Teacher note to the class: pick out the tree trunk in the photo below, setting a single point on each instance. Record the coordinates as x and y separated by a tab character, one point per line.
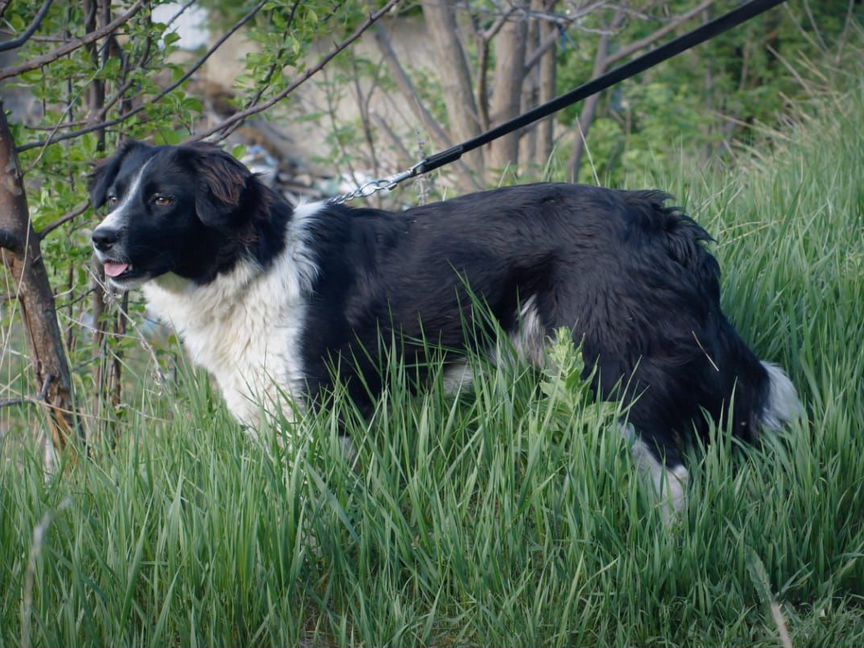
94	19
440	19
548	79
530	95
589	108
465	179
22	255
507	89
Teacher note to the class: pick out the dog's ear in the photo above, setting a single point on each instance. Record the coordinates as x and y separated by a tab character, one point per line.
222	182
104	172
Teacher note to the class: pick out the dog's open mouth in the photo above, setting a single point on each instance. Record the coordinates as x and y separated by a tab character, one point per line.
117	270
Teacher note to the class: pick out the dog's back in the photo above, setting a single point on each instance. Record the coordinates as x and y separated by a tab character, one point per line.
629	276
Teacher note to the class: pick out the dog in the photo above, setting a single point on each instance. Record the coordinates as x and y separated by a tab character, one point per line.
269	297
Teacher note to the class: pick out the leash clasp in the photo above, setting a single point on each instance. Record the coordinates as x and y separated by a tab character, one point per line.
374	186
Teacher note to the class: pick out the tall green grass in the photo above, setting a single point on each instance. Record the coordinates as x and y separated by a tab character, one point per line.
510	514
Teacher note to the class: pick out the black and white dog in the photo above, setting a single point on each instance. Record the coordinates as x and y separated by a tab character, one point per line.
268	297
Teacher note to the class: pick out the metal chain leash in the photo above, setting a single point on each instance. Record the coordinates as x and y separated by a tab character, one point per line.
374	186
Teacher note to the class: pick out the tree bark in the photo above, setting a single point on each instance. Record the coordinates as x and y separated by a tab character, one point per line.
530	95
456	84
22	255
94	18
547	90
510	49
589	108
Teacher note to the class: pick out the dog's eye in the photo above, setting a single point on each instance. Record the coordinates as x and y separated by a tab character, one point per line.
113	199
161	200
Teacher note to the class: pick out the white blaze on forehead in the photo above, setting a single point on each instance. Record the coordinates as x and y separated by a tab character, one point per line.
115	219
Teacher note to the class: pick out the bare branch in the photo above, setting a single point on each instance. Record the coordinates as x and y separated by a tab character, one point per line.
406	87
395	140
490	33
562	23
75	213
12	402
649	40
409	92
254	110
201	61
179	13
545	45
269	76
265	84
99	120
586	117
29	400
23	38
71	46
131	113
456	83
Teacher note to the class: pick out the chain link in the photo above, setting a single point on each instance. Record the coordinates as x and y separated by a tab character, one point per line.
374	186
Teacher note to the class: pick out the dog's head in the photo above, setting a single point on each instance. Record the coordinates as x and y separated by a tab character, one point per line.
187	210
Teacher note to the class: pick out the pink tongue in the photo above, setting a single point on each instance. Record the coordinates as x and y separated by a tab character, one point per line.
115	269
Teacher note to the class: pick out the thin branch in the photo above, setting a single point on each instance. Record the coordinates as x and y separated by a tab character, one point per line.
841	42
562	23
201	61
50	57
29	400
37	39
254	110
409	92
99	119
126	116
127	78
67	111
12	402
384	126
265	84
406	87
657	35
269	76
545	45
488	34
815	26
23	38
179	13
75	213
364	101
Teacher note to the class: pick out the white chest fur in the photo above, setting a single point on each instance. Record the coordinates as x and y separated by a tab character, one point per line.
245	326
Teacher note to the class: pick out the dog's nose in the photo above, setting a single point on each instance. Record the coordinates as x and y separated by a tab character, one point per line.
105	237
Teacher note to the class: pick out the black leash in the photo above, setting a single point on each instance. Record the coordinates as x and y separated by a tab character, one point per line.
698	36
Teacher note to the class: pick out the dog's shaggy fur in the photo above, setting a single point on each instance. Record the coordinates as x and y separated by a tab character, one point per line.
270	298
